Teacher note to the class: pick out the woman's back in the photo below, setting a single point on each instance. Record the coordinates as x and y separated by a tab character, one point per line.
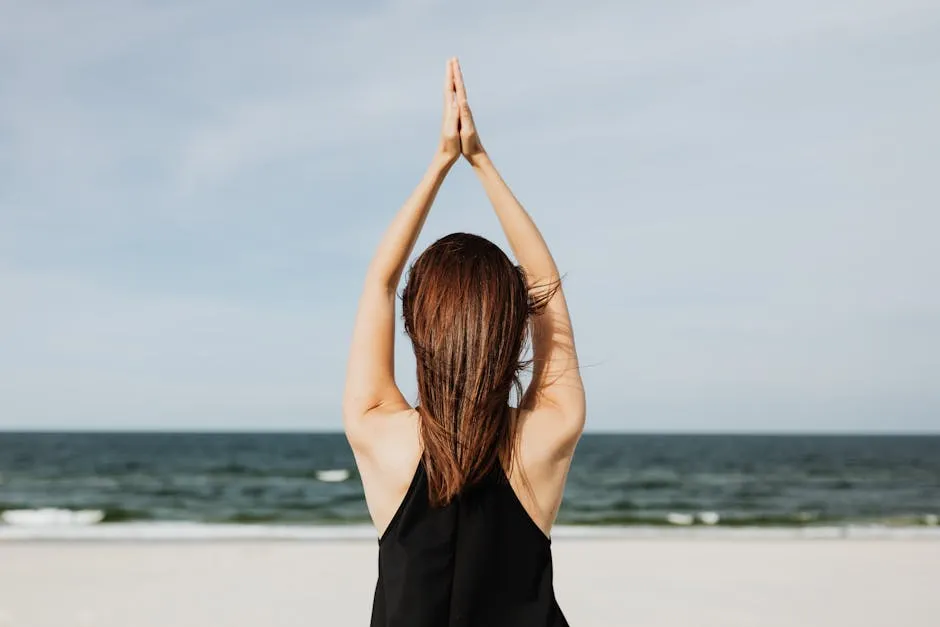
479	560
464	489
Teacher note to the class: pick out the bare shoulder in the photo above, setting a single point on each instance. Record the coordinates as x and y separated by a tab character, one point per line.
386	446
368	432
547	441
549	434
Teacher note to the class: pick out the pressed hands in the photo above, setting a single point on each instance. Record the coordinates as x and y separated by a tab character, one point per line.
459	133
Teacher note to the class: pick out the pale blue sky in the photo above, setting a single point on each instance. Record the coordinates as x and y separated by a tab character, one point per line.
744	197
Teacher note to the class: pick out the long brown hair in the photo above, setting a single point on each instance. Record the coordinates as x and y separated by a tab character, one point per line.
466	308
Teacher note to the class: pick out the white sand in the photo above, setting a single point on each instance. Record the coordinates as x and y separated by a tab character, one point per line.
664	582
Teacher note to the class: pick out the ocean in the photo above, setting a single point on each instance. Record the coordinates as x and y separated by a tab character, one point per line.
304	485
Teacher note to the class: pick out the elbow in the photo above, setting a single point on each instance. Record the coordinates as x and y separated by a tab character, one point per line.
385	283
573	406
353	426
354	408
382	278
575	421
570	427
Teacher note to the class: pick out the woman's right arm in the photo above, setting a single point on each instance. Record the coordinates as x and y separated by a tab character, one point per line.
556	386
370	372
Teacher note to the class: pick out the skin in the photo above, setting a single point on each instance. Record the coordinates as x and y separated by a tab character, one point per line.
381	426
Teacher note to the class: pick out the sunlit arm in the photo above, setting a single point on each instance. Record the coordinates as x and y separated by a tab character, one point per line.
370	374
556	389
556	378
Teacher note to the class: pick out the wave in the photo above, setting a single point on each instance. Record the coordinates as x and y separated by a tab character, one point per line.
674	518
329	514
67	517
739	519
243	470
176	531
51	517
320	516
705	518
709	518
333	476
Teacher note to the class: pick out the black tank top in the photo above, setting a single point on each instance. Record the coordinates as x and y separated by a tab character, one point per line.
479	561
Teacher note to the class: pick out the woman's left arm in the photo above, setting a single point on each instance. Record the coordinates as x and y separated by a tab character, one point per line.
370	373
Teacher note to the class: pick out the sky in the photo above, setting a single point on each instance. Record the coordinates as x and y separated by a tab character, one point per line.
742	196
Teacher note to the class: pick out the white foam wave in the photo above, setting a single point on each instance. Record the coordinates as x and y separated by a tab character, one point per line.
51	517
333	476
147	531
709	518
679	519
181	531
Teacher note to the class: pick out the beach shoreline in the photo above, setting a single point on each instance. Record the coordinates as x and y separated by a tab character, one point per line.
599	582
202	532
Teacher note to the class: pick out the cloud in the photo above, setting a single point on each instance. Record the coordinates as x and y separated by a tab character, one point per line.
741	195
89	354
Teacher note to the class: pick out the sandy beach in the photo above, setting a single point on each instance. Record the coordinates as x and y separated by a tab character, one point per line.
599	583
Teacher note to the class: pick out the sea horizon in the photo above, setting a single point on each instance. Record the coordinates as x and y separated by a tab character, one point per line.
304	485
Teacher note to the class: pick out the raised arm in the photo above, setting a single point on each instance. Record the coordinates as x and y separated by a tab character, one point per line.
556	386
370	375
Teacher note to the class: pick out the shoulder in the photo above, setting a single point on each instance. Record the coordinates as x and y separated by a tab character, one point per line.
549	432
386	445
385	438
370	430
547	441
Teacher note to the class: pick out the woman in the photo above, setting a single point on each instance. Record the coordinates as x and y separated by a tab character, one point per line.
464	488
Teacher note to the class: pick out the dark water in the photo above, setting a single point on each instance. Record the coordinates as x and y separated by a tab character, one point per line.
615	479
